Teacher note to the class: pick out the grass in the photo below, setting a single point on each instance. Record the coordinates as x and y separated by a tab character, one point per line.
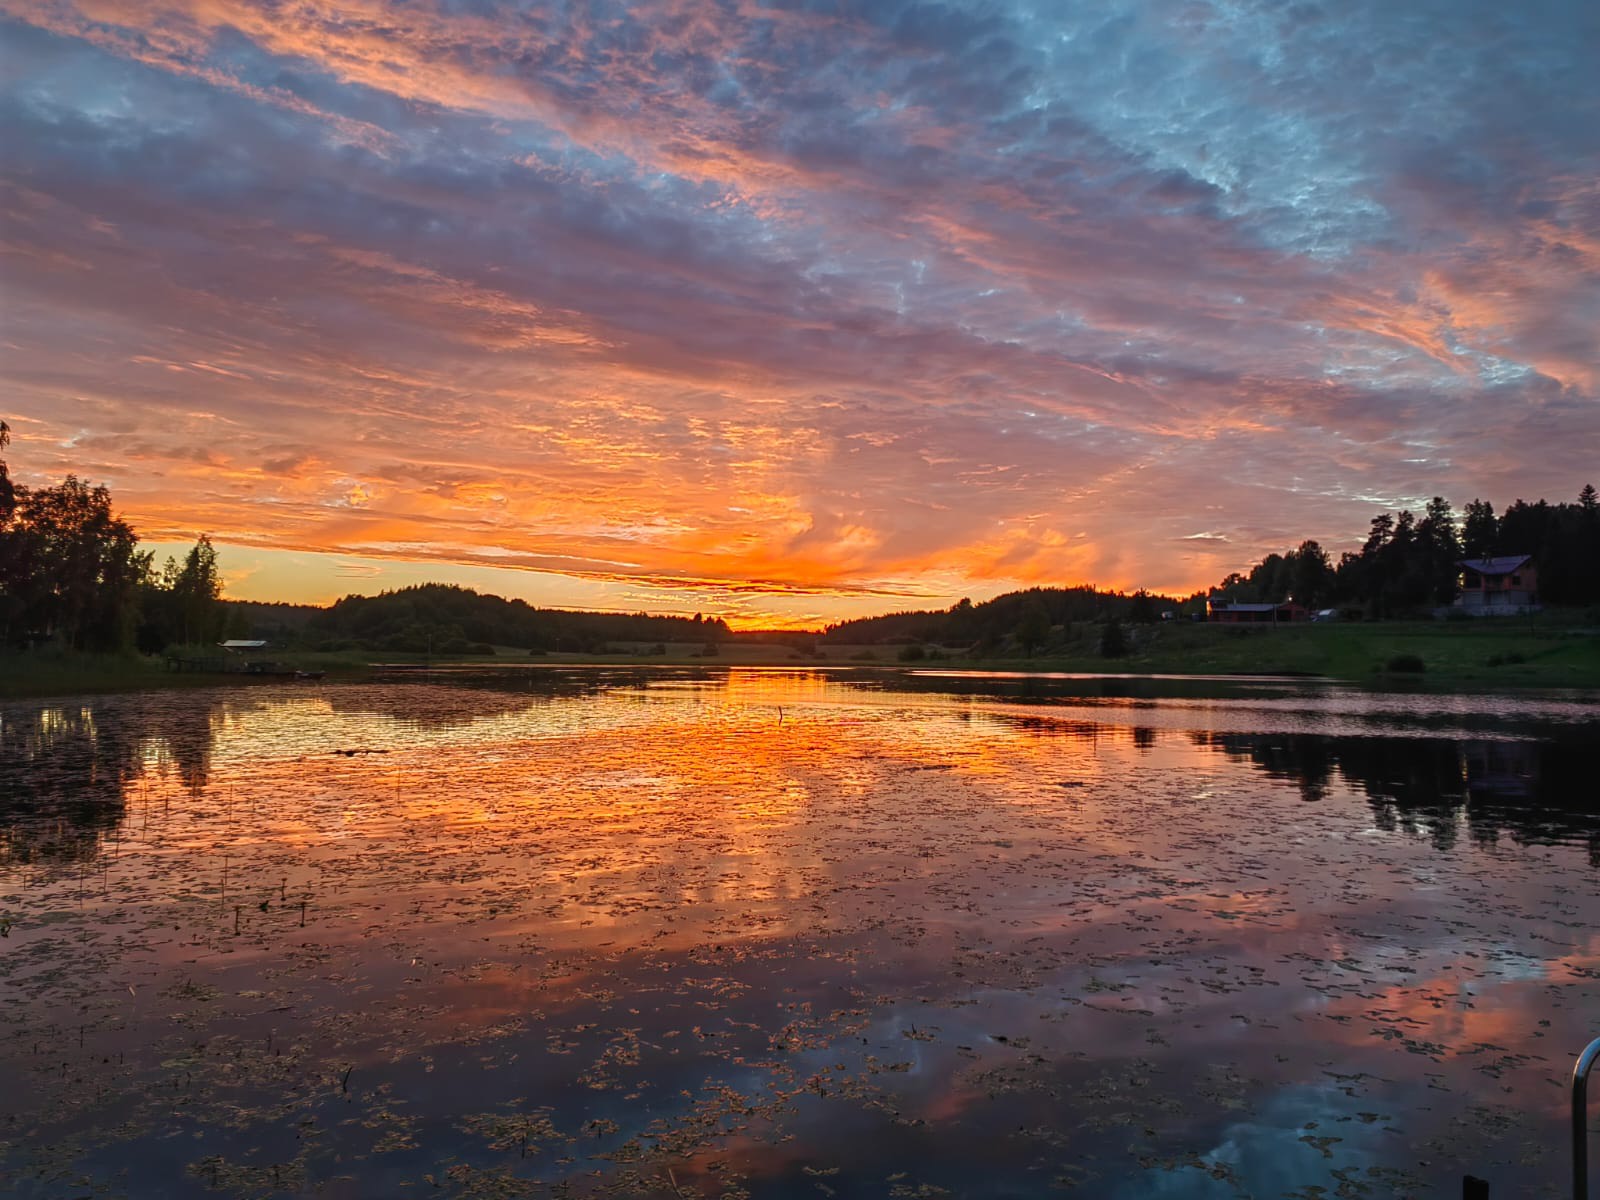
53	672
1550	650
1468	656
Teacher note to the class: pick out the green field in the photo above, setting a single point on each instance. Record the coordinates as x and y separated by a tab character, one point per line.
1465	655
1546	651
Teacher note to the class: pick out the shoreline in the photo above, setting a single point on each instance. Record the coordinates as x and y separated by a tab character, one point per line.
1471	660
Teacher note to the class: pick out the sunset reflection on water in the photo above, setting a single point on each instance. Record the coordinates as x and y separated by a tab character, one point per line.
745	932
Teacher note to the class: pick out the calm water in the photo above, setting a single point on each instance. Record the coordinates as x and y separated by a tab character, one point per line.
793	934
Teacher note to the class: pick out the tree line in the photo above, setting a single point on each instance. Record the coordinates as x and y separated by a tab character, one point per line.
1029	620
446	619
72	574
1409	565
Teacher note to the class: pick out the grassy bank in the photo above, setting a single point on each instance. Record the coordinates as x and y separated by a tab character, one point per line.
55	672
1469	656
1547	651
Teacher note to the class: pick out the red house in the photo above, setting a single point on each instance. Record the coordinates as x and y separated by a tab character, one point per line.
1254	614
1500	586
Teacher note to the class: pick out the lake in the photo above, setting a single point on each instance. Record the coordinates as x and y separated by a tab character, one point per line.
794	933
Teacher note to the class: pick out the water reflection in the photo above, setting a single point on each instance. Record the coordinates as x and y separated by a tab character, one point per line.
709	933
61	780
66	770
1535	791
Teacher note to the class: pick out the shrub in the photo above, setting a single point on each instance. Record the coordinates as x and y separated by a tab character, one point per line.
1406	663
1113	641
912	654
480	648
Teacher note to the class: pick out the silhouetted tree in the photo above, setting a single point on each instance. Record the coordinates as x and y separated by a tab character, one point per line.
1034	626
1479	530
8	493
1440	550
1310	575
1113	640
198	592
11	603
71	569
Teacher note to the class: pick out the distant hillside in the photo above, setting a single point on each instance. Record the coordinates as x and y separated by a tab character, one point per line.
452	620
1029	614
272	621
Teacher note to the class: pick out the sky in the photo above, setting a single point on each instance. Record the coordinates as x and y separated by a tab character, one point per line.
791	312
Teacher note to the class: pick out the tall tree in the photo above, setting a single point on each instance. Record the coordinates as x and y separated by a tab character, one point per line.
197	594
72	568
11	600
1310	575
1378	535
1480	530
8	493
1440	550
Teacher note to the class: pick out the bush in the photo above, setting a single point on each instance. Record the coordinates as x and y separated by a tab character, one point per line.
1113	641
480	648
1406	663
912	654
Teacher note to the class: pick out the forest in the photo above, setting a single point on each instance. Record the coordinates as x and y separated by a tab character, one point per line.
72	575
445	619
1407	567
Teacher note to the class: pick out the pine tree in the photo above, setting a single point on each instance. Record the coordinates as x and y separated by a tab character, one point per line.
1480	530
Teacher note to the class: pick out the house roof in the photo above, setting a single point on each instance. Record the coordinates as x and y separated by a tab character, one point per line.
1247	607
1503	565
241	644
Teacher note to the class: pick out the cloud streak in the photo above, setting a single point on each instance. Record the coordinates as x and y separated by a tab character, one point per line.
822	303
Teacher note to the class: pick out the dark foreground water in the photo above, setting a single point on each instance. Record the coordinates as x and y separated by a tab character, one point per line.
788	934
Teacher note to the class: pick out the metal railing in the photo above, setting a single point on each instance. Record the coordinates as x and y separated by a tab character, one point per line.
1580	1119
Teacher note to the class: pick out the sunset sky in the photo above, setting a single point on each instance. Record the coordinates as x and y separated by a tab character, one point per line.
795	311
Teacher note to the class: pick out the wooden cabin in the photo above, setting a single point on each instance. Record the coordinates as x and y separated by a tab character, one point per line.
1254	614
1505	585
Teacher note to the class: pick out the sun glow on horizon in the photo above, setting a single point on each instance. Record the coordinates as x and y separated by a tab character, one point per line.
789	317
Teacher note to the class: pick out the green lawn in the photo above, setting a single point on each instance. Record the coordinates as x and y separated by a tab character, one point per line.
1470	655
1547	651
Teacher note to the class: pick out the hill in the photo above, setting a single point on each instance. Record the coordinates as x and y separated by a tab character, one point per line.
446	619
